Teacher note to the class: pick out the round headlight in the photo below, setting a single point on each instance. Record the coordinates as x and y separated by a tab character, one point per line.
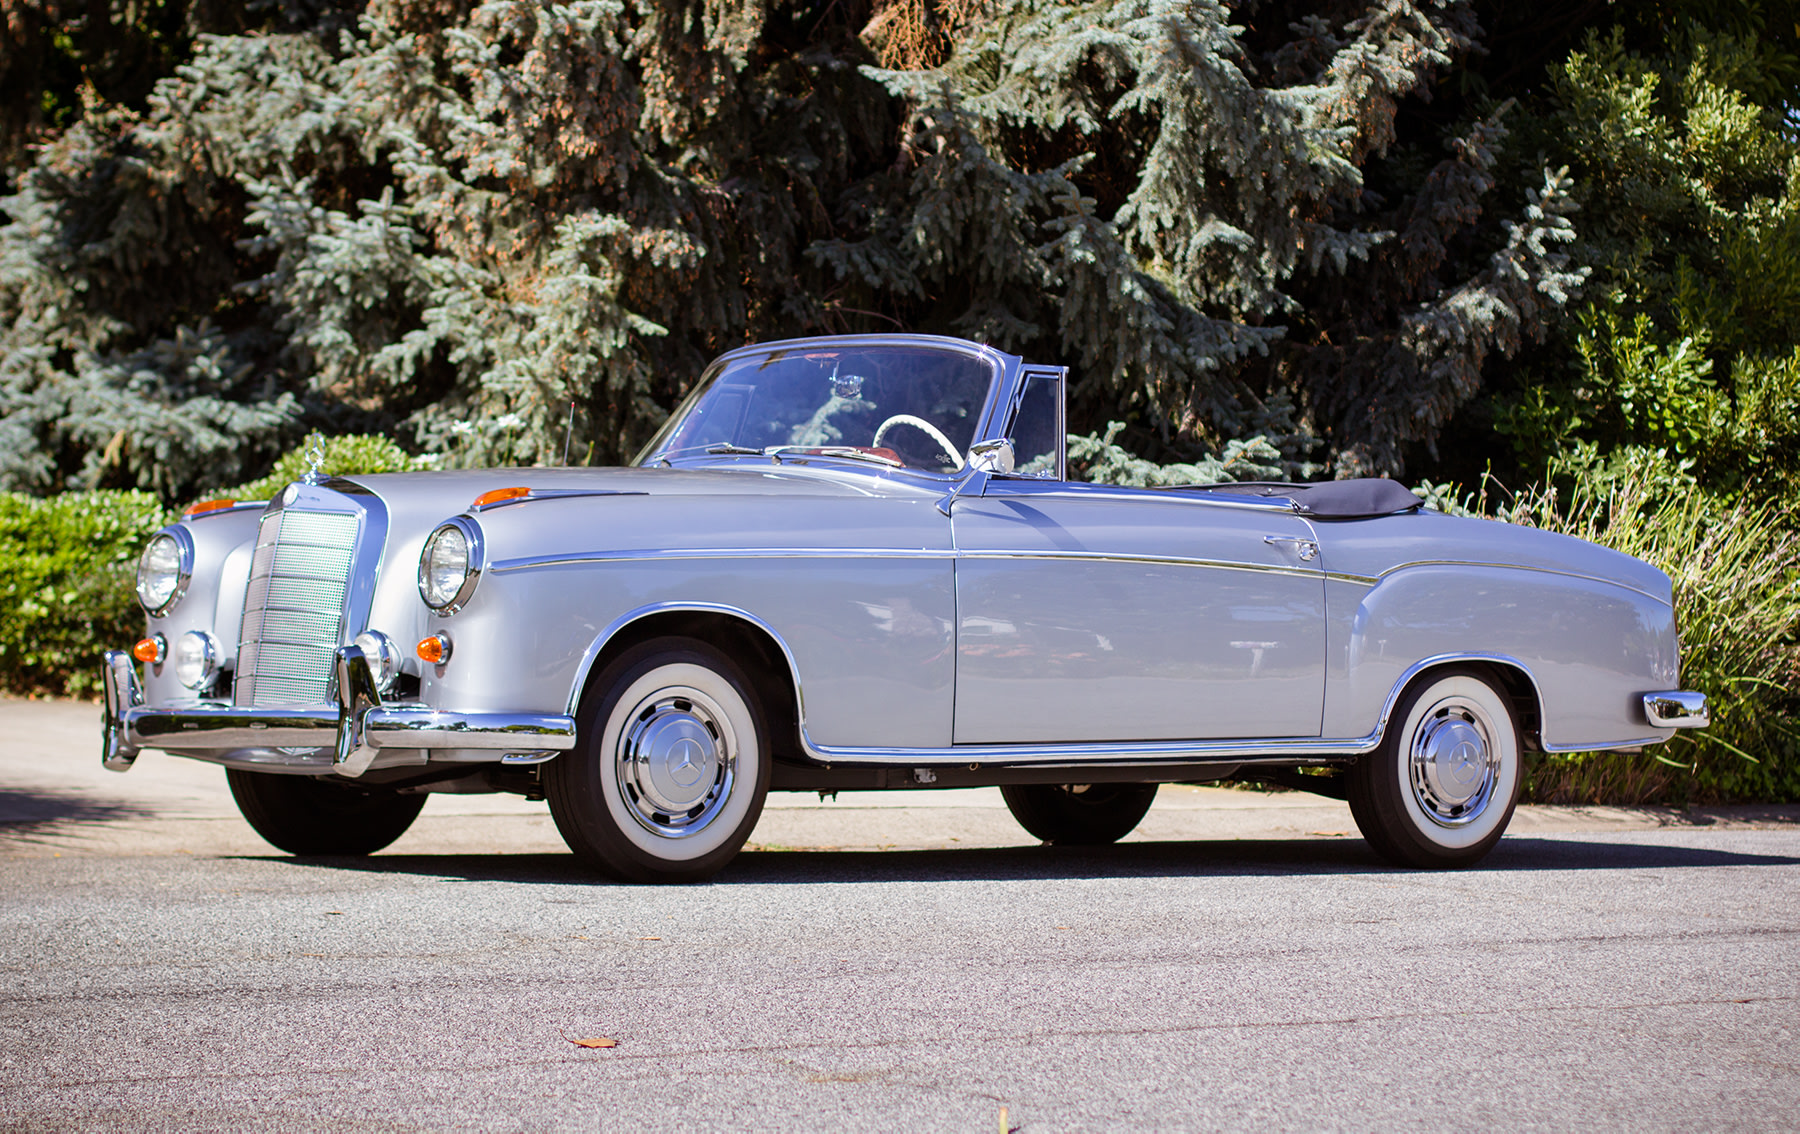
196	659
449	566
383	657
163	570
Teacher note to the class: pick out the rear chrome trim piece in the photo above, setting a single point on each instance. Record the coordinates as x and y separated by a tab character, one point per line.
1677	710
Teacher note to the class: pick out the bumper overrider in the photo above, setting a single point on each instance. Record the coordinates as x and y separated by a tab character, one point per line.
354	733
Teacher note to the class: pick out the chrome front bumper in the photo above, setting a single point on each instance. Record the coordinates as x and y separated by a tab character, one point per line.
1677	710
354	732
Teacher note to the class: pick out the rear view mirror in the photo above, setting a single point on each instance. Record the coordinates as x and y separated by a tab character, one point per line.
992	456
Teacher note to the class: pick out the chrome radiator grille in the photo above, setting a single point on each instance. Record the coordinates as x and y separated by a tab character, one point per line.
294	609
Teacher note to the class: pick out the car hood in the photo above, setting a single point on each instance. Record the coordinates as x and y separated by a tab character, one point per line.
443	494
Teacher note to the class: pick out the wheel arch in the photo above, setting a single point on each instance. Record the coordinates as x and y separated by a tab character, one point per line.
1512	678
746	639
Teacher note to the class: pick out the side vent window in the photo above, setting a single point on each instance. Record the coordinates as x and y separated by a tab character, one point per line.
1037	431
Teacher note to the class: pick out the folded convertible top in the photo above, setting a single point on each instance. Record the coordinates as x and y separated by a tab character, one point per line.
1329	499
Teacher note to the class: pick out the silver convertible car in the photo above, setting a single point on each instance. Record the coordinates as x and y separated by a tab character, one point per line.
858	563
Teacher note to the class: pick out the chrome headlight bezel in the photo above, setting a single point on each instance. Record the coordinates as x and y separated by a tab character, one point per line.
161	586
440	551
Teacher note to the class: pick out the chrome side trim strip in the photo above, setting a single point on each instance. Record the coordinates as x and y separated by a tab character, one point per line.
1301	750
1150	560
1677	710
656	554
639	555
650	554
1396	569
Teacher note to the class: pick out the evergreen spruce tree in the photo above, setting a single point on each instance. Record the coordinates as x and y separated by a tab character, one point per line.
1132	184
449	220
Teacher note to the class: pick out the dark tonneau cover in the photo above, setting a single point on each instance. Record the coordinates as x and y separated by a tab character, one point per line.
1330	499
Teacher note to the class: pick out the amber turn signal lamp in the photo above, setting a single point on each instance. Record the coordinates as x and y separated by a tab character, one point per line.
435	649
205	506
499	496
150	650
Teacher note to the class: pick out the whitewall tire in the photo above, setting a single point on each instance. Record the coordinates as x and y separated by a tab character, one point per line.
671	769
1440	790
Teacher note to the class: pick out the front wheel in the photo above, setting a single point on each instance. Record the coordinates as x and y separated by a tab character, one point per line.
1441	789
1083	815
669	775
306	815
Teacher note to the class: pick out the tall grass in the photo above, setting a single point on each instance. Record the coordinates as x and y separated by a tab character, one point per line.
1736	570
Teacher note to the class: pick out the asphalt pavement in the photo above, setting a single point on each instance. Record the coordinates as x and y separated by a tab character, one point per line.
885	961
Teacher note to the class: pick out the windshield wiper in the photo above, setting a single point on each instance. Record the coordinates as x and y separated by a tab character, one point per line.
850	452
775	452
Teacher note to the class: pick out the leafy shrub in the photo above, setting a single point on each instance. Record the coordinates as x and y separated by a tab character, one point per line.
1736	570
68	565
354	453
67	568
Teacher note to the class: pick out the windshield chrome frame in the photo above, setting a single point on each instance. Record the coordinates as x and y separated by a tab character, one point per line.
1001	392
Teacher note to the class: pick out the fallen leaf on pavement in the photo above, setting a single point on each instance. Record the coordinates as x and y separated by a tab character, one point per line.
649	939
595	1041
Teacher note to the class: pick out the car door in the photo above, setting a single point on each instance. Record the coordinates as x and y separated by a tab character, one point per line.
1093	613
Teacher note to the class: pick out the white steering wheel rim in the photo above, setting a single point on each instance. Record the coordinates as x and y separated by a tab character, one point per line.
924	427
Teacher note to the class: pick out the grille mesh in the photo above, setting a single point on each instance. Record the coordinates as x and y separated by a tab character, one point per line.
294	608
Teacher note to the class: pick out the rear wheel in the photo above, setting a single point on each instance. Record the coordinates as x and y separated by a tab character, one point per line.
306	815
669	775
1079	814
1441	789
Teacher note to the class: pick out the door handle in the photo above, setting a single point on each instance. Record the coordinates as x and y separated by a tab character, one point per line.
1307	549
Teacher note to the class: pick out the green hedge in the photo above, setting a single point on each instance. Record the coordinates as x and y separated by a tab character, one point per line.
67	568
355	453
1736	570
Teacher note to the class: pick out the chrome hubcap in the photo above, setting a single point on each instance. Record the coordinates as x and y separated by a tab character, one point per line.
674	763
1453	763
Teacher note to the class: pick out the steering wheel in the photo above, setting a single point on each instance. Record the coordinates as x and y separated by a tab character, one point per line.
922	426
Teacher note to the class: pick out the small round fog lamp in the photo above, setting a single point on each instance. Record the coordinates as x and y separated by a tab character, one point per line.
196	659
383	657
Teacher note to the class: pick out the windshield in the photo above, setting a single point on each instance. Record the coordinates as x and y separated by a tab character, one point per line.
901	406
